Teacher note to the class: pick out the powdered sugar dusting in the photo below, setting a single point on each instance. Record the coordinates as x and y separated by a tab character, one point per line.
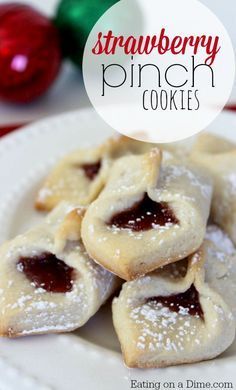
162	329
220	239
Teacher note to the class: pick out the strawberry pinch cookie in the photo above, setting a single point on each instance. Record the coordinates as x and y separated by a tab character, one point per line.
77	178
48	283
150	213
80	176
218	157
179	314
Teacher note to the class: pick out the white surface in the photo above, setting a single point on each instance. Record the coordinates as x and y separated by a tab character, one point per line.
68	92
89	358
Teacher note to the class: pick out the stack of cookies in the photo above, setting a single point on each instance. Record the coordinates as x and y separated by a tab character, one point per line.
156	225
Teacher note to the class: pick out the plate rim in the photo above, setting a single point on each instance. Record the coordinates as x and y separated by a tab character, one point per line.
94	351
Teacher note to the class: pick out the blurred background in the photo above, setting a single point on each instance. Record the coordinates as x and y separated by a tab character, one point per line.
35	81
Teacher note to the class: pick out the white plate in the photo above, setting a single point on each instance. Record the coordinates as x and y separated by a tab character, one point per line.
90	357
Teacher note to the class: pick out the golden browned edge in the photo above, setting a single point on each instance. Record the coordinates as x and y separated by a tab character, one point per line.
162	364
40	206
11	334
132	275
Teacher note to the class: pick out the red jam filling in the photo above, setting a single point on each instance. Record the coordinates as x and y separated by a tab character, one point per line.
47	272
187	300
144	215
91	170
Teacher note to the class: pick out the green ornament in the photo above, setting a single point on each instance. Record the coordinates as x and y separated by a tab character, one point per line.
75	19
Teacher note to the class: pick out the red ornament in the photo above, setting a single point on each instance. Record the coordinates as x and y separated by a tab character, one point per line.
30	55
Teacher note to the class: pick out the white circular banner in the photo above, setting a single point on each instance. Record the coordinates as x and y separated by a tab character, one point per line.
158	71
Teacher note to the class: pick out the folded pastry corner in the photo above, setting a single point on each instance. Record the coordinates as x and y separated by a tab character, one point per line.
119	146
179	314
48	283
70	228
218	157
151	212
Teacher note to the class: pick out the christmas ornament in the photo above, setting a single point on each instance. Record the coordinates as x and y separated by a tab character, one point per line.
75	19
30	54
